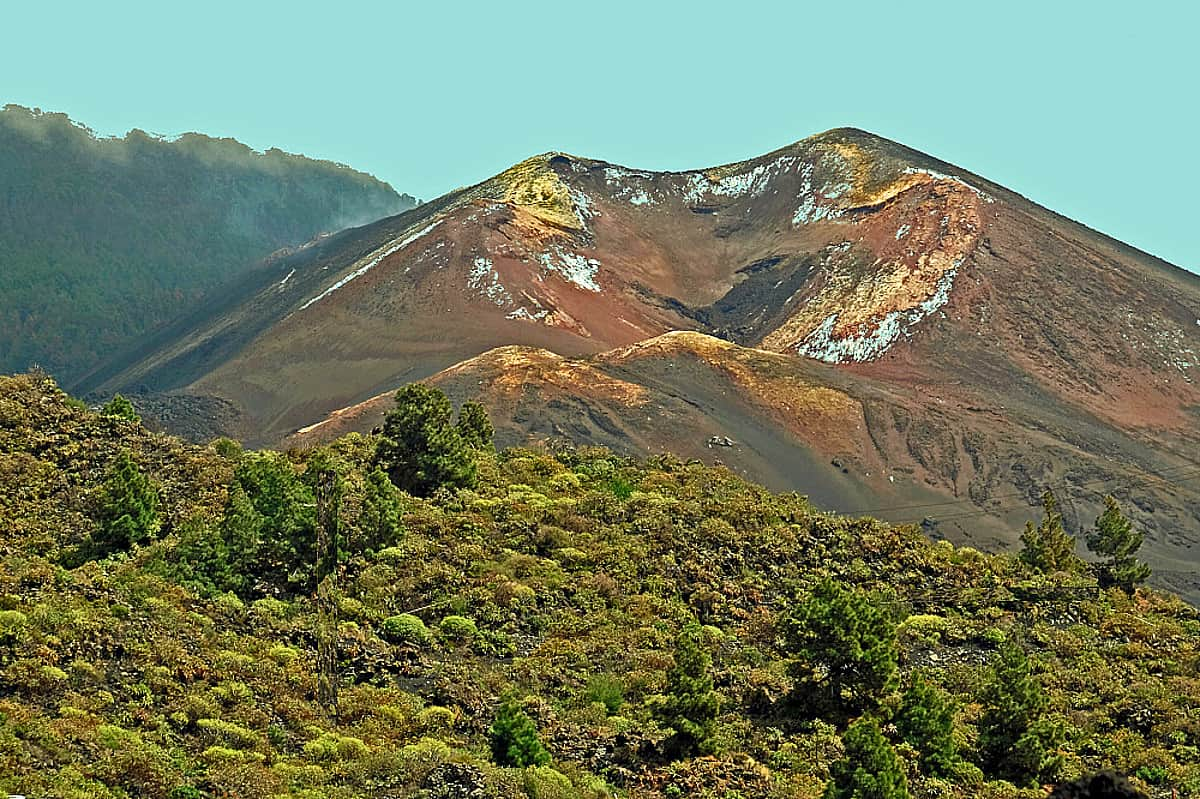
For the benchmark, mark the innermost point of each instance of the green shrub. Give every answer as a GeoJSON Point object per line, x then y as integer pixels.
{"type": "Point", "coordinates": [331, 747]}
{"type": "Point", "coordinates": [223, 754]}
{"type": "Point", "coordinates": [436, 719]}
{"type": "Point", "coordinates": [227, 448]}
{"type": "Point", "coordinates": [1152, 775]}
{"type": "Point", "coordinates": [233, 692]}
{"type": "Point", "coordinates": [112, 736]}
{"type": "Point", "coordinates": [283, 655]}
{"type": "Point", "coordinates": [229, 734]}
{"type": "Point", "coordinates": [405, 628]}
{"type": "Point", "coordinates": [993, 636]}
{"type": "Point", "coordinates": [229, 604]}
{"type": "Point", "coordinates": [607, 690]}
{"type": "Point", "coordinates": [514, 738]}
{"type": "Point", "coordinates": [459, 629]}
{"type": "Point", "coordinates": [52, 675]}
{"type": "Point", "coordinates": [543, 782]}
{"type": "Point", "coordinates": [925, 628]}
{"type": "Point", "coordinates": [565, 483]}
{"type": "Point", "coordinates": [621, 488]}
{"type": "Point", "coordinates": [271, 608]}
{"type": "Point", "coordinates": [13, 624]}
{"type": "Point", "coordinates": [185, 792]}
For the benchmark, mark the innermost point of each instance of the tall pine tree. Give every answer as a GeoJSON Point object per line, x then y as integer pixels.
{"type": "Point", "coordinates": [474, 426]}
{"type": "Point", "coordinates": [286, 508]}
{"type": "Point", "coordinates": [379, 518]}
{"type": "Point", "coordinates": [421, 448]}
{"type": "Point", "coordinates": [691, 704]}
{"type": "Point", "coordinates": [241, 535]}
{"type": "Point", "coordinates": [1016, 741]}
{"type": "Point", "coordinates": [1115, 538]}
{"type": "Point", "coordinates": [844, 646]}
{"type": "Point", "coordinates": [870, 768]}
{"type": "Point", "coordinates": [128, 508]}
{"type": "Point", "coordinates": [1048, 547]}
{"type": "Point", "coordinates": [121, 408]}
{"type": "Point", "coordinates": [514, 738]}
{"type": "Point", "coordinates": [926, 721]}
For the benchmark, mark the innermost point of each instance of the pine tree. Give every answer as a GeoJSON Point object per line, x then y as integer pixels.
{"type": "Point", "coordinates": [323, 482]}
{"type": "Point", "coordinates": [121, 408]}
{"type": "Point", "coordinates": [128, 509]}
{"type": "Point", "coordinates": [1015, 740]}
{"type": "Point", "coordinates": [241, 537]}
{"type": "Point", "coordinates": [287, 507]}
{"type": "Point", "coordinates": [844, 645]}
{"type": "Point", "coordinates": [514, 738]}
{"type": "Point", "coordinates": [870, 768]}
{"type": "Point", "coordinates": [420, 447]}
{"type": "Point", "coordinates": [1047, 547]}
{"type": "Point", "coordinates": [926, 721]}
{"type": "Point", "coordinates": [379, 520]}
{"type": "Point", "coordinates": [200, 560]}
{"type": "Point", "coordinates": [1115, 538]}
{"type": "Point", "coordinates": [475, 427]}
{"type": "Point", "coordinates": [214, 559]}
{"type": "Point", "coordinates": [691, 704]}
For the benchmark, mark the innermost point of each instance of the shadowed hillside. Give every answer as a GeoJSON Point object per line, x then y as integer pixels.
{"type": "Point", "coordinates": [103, 240]}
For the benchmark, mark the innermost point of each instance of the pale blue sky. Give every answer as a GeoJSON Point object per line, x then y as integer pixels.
{"type": "Point", "coordinates": [1089, 108]}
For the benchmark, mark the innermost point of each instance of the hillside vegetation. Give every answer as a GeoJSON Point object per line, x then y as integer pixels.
{"type": "Point", "coordinates": [541, 624]}
{"type": "Point", "coordinates": [102, 240]}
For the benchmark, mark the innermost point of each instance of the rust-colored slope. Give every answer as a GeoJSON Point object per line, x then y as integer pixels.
{"type": "Point", "coordinates": [578, 256]}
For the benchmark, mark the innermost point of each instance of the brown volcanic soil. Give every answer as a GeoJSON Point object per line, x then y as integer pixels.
{"type": "Point", "coordinates": [575, 256]}
{"type": "Point", "coordinates": [942, 338]}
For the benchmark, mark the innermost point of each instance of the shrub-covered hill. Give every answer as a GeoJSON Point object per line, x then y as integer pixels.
{"type": "Point", "coordinates": [103, 240]}
{"type": "Point", "coordinates": [574, 625]}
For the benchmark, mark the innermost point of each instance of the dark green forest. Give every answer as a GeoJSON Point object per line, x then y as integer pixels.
{"type": "Point", "coordinates": [414, 614]}
{"type": "Point", "coordinates": [103, 240]}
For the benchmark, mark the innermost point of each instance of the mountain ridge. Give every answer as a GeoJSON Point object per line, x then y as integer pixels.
{"type": "Point", "coordinates": [40, 124]}
{"type": "Point", "coordinates": [104, 240]}
{"type": "Point", "coordinates": [989, 347]}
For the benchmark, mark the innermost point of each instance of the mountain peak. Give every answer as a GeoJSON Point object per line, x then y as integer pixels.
{"type": "Point", "coordinates": [846, 167]}
{"type": "Point", "coordinates": [849, 133]}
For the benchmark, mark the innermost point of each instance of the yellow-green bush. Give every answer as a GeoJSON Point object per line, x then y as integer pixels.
{"type": "Point", "coordinates": [405, 628]}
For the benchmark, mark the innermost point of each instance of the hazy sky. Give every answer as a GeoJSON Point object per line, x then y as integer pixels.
{"type": "Point", "coordinates": [1090, 108]}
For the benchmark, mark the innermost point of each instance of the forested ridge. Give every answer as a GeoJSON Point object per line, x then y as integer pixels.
{"type": "Point", "coordinates": [412, 613]}
{"type": "Point", "coordinates": [105, 239]}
